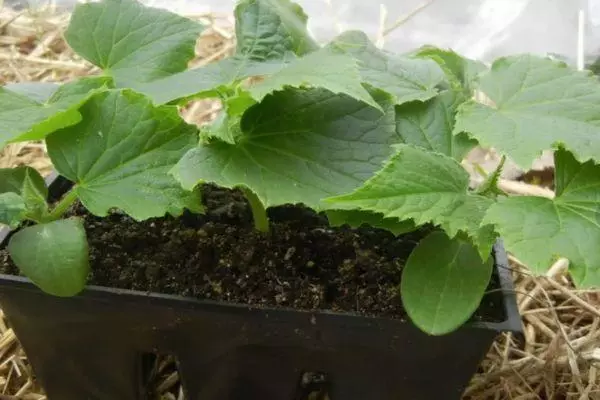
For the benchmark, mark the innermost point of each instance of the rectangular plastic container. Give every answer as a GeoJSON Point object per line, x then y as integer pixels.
{"type": "Point", "coordinates": [91, 347]}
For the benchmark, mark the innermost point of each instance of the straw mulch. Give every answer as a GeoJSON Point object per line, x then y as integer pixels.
{"type": "Point", "coordinates": [559, 360]}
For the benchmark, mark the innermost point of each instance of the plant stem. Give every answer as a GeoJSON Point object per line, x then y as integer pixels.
{"type": "Point", "coordinates": [62, 206]}
{"type": "Point", "coordinates": [261, 221]}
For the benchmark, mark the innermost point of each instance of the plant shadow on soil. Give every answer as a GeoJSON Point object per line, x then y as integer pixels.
{"type": "Point", "coordinates": [302, 263]}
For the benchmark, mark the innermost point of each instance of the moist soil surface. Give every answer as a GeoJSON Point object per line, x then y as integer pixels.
{"type": "Point", "coordinates": [301, 263]}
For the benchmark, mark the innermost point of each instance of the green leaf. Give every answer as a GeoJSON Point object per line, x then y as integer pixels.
{"type": "Point", "coordinates": [36, 91]}
{"type": "Point", "coordinates": [461, 71]}
{"type": "Point", "coordinates": [430, 125]}
{"type": "Point", "coordinates": [18, 179]}
{"type": "Point", "coordinates": [484, 240]}
{"type": "Point", "coordinates": [538, 230]}
{"type": "Point", "coordinates": [337, 73]}
{"type": "Point", "coordinates": [358, 218]}
{"type": "Point", "coordinates": [53, 255]}
{"type": "Point", "coordinates": [467, 218]}
{"type": "Point", "coordinates": [443, 283]}
{"type": "Point", "coordinates": [22, 118]}
{"type": "Point", "coordinates": [132, 42]}
{"type": "Point", "coordinates": [539, 104]}
{"type": "Point", "coordinates": [213, 80]}
{"type": "Point", "coordinates": [120, 154]}
{"type": "Point", "coordinates": [238, 103]}
{"type": "Point", "coordinates": [298, 146]}
{"type": "Point", "coordinates": [414, 183]}
{"type": "Point", "coordinates": [270, 33]}
{"type": "Point", "coordinates": [30, 187]}
{"type": "Point", "coordinates": [12, 209]}
{"type": "Point", "coordinates": [89, 85]}
{"type": "Point", "coordinates": [424, 186]}
{"type": "Point", "coordinates": [405, 78]}
{"type": "Point", "coordinates": [268, 29]}
{"type": "Point", "coordinates": [334, 72]}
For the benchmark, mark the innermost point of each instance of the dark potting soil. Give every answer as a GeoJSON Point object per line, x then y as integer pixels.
{"type": "Point", "coordinates": [301, 263]}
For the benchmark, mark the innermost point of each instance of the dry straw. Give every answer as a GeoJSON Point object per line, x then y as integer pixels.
{"type": "Point", "coordinates": [560, 358]}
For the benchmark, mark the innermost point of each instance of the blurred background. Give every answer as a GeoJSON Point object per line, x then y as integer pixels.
{"type": "Point", "coordinates": [480, 29]}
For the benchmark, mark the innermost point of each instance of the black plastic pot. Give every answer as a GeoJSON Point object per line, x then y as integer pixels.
{"type": "Point", "coordinates": [92, 346]}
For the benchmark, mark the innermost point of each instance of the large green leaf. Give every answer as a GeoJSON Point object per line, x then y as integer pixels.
{"type": "Point", "coordinates": [430, 125]}
{"type": "Point", "coordinates": [538, 104]}
{"type": "Point", "coordinates": [462, 72]}
{"type": "Point", "coordinates": [132, 42]}
{"type": "Point", "coordinates": [405, 78]}
{"type": "Point", "coordinates": [23, 118]}
{"type": "Point", "coordinates": [537, 229]}
{"type": "Point", "coordinates": [270, 33]}
{"type": "Point", "coordinates": [298, 146]}
{"type": "Point", "coordinates": [358, 218]}
{"type": "Point", "coordinates": [443, 283]}
{"type": "Point", "coordinates": [337, 73]}
{"type": "Point", "coordinates": [27, 184]}
{"type": "Point", "coordinates": [424, 186]}
{"type": "Point", "coordinates": [120, 154]}
{"type": "Point", "coordinates": [53, 255]}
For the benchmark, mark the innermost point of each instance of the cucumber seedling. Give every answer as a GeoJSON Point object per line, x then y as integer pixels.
{"type": "Point", "coordinates": [345, 128]}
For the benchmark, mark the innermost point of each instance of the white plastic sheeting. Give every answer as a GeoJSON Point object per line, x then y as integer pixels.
{"type": "Point", "coordinates": [481, 29]}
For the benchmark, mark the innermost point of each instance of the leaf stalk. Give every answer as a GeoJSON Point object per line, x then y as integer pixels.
{"type": "Point", "coordinates": [259, 214]}
{"type": "Point", "coordinates": [62, 206]}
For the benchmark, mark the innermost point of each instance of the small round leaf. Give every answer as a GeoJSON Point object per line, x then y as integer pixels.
{"type": "Point", "coordinates": [443, 282]}
{"type": "Point", "coordinates": [53, 255]}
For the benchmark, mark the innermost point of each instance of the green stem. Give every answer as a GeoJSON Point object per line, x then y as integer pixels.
{"type": "Point", "coordinates": [261, 221]}
{"type": "Point", "coordinates": [62, 206]}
